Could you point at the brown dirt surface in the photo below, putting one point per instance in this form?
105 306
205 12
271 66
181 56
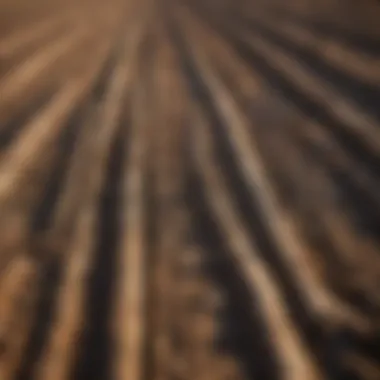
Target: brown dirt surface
189 190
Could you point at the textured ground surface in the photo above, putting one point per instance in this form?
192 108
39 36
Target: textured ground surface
189 189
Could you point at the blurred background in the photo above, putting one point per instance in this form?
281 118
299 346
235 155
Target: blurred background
189 190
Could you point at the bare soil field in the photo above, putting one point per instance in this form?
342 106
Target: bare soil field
189 190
